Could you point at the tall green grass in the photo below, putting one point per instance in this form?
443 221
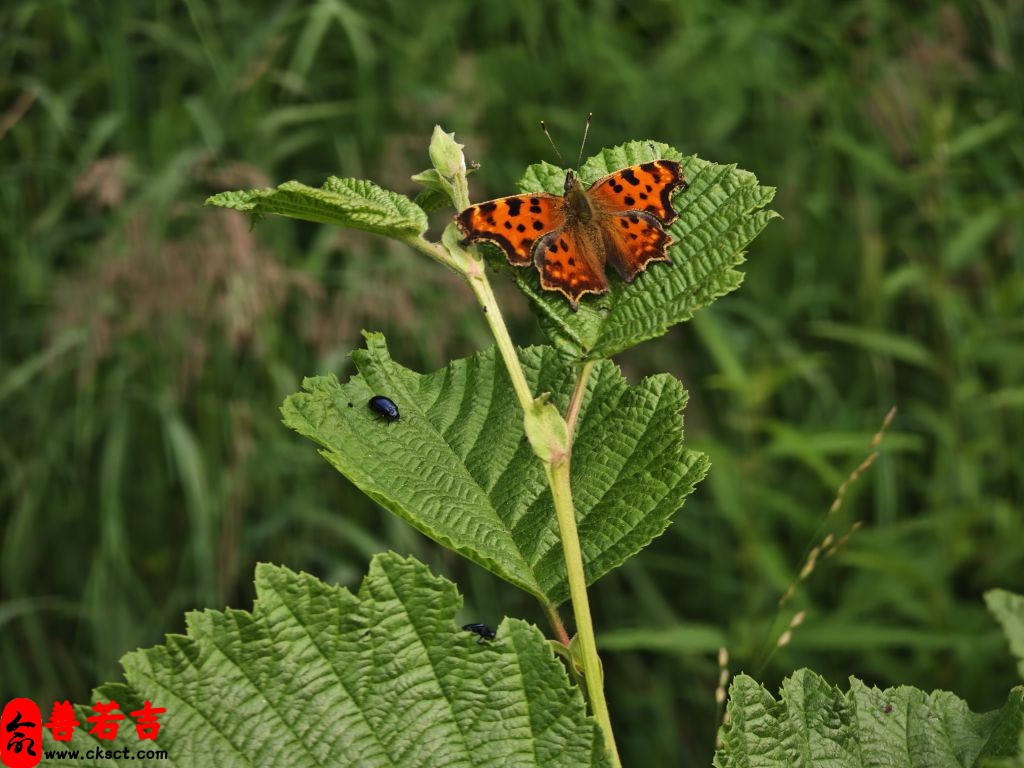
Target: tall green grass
147 342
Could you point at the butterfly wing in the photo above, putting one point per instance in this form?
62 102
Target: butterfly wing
634 205
513 223
632 241
571 260
647 187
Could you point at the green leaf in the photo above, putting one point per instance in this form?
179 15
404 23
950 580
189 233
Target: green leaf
877 342
721 212
436 193
1008 608
1016 761
352 203
815 724
318 676
687 638
457 467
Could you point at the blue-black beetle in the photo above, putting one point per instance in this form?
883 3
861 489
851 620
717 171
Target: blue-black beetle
485 632
384 407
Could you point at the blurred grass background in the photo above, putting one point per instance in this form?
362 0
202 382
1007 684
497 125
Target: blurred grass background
147 342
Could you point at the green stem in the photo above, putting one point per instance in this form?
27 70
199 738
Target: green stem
558 479
436 251
556 468
482 288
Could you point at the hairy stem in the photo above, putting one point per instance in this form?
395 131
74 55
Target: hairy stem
551 612
577 399
436 251
558 479
556 467
482 288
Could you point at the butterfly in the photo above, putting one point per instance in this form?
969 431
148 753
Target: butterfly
620 219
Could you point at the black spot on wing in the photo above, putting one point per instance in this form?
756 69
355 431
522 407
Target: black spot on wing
630 177
514 204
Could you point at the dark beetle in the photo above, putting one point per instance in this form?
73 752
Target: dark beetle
384 407
485 632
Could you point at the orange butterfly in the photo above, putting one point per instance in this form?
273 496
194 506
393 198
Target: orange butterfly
619 219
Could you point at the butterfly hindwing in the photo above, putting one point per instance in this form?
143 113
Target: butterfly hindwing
632 241
513 223
646 187
571 260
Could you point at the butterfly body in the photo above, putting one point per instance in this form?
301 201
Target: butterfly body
619 219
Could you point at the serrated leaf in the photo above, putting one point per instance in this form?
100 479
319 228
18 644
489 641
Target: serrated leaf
1008 608
814 724
381 679
352 203
720 213
457 467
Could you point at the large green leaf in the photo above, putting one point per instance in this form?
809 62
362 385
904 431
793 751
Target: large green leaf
721 212
814 724
1008 608
317 676
457 467
346 202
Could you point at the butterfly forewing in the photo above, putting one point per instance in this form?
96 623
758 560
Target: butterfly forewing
646 187
513 223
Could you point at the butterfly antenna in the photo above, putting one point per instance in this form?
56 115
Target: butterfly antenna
552 142
590 116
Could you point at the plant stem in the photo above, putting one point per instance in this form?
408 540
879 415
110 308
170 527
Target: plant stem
436 251
558 479
482 288
577 400
555 621
556 468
